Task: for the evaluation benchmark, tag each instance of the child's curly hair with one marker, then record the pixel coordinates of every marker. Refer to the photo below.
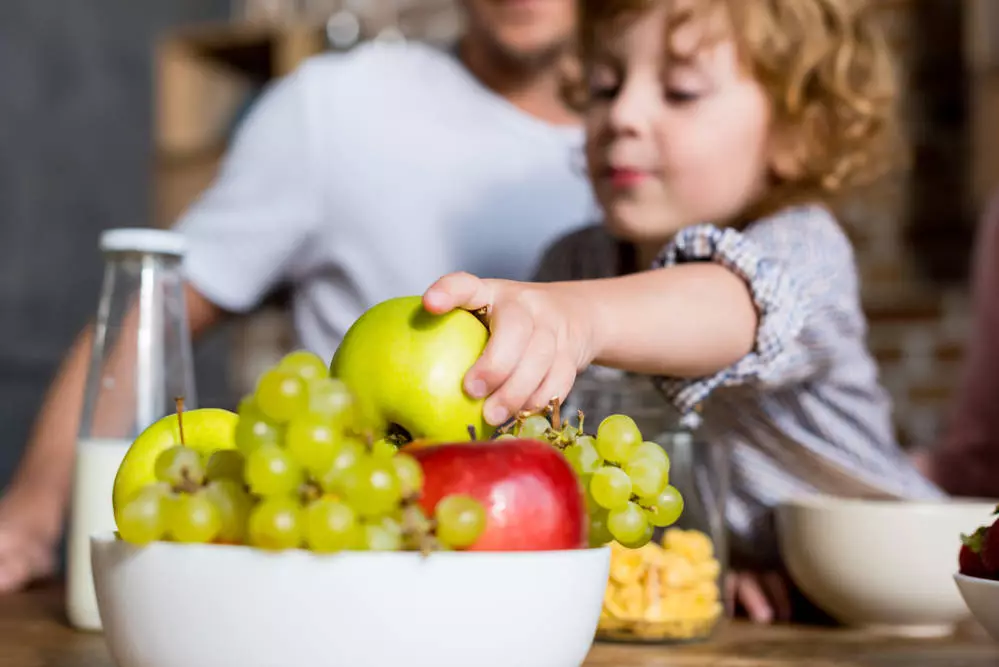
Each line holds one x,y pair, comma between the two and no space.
826,65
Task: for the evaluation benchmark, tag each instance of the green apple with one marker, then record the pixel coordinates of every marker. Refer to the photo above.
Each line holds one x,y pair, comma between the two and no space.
406,367
206,430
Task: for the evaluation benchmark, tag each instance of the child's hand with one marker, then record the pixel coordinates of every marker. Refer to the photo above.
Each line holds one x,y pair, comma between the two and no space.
540,339
764,596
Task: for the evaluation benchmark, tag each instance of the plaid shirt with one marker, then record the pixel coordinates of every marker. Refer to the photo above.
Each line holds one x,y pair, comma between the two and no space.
804,412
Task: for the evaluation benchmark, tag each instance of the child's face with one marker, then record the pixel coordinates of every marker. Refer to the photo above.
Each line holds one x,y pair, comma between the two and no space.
673,141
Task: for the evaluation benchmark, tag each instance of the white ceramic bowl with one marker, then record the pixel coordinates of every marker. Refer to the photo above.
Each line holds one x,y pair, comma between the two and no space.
880,563
982,597
172,605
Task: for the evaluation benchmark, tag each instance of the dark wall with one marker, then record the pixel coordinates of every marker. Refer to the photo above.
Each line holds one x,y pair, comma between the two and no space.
75,153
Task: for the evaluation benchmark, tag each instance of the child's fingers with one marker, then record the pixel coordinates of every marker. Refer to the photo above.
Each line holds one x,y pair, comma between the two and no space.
556,384
457,290
779,596
528,374
754,600
512,327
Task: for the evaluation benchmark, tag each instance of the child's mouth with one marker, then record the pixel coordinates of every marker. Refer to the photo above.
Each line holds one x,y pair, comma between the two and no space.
623,177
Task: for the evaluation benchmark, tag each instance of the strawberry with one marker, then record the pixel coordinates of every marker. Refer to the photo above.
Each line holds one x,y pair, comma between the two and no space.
990,548
970,560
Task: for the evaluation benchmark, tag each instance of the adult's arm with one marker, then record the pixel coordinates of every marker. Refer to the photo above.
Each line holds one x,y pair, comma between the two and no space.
966,460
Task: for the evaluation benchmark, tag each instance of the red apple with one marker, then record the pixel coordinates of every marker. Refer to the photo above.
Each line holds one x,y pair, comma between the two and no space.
531,495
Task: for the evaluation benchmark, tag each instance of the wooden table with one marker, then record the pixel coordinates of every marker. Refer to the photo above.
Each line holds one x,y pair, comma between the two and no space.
33,633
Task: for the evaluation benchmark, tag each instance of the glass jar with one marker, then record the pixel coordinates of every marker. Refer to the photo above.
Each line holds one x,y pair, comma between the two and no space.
671,590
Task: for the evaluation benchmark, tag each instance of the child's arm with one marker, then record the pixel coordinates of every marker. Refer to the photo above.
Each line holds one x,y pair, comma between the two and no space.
726,312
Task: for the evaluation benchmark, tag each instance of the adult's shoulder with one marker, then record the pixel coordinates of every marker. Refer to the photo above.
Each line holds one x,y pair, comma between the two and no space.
583,253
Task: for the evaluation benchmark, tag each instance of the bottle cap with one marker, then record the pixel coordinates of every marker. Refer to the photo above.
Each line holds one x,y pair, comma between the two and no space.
141,239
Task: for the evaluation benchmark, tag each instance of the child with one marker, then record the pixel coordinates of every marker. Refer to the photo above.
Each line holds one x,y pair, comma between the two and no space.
720,135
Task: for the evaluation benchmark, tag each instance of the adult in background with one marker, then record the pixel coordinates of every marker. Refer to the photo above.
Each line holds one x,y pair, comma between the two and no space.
357,178
965,462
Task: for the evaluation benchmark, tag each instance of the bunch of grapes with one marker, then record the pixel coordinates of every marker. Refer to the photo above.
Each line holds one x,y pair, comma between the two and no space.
624,477
304,474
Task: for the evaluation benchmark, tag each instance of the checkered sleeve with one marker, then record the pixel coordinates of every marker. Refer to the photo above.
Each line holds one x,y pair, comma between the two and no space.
798,268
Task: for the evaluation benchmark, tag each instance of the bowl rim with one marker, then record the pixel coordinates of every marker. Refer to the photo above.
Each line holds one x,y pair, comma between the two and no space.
819,501
108,538
977,581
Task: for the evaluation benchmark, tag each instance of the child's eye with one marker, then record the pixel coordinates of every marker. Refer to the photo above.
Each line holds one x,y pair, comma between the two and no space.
603,91
677,96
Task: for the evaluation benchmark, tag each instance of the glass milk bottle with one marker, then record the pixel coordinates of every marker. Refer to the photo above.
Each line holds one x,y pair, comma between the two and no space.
140,363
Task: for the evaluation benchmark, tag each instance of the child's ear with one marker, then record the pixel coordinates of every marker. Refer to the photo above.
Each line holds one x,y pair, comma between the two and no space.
787,155
792,146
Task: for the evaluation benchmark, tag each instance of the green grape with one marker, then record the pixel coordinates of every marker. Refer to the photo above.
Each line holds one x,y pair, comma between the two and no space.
591,505
234,506
409,473
611,488
583,456
254,429
275,524
347,456
383,448
330,526
617,438
271,471
599,534
178,466
304,364
312,442
666,508
651,450
627,524
535,427
332,399
391,524
281,395
143,519
378,536
505,436
641,541
648,476
371,487
461,520
194,518
225,464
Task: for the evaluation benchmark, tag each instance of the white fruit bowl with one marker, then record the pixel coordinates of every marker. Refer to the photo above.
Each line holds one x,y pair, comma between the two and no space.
982,598
887,564
174,605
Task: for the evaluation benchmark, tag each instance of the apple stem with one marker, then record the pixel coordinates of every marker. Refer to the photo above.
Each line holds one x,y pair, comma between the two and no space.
180,418
471,432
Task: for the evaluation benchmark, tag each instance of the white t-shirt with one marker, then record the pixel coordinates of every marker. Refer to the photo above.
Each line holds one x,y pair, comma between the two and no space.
368,175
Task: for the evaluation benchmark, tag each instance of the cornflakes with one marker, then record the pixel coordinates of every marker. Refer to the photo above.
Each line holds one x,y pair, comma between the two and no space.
667,591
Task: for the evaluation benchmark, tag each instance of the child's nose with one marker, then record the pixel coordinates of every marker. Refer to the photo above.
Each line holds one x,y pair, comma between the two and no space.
631,110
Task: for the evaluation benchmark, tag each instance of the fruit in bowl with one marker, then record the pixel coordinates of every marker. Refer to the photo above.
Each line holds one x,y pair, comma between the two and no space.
335,538
978,574
405,367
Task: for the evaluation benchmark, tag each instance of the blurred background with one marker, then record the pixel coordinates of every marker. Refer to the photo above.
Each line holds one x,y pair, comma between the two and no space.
115,113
